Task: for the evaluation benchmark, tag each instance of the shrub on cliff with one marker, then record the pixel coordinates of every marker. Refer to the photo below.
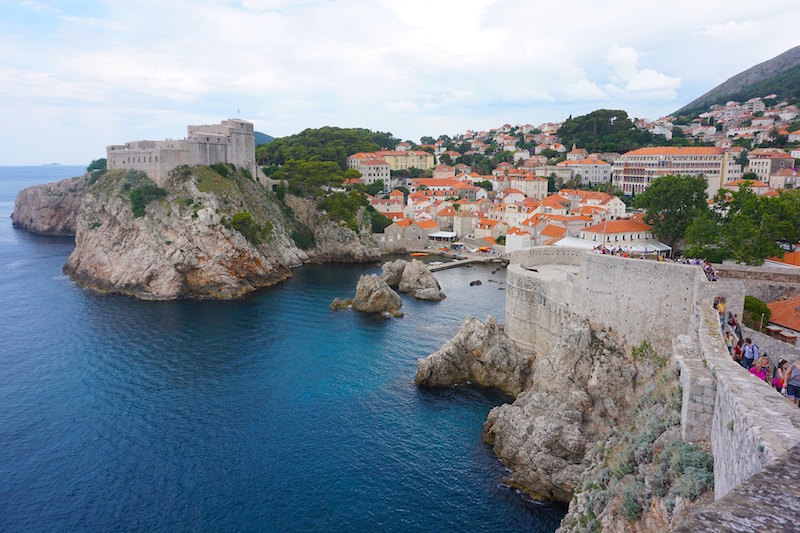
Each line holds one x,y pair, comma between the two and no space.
243,223
143,195
753,308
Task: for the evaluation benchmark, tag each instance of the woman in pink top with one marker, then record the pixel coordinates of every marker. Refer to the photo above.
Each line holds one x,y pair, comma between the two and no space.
758,368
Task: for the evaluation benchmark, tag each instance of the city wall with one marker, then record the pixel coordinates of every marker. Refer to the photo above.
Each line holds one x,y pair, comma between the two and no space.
747,424
636,299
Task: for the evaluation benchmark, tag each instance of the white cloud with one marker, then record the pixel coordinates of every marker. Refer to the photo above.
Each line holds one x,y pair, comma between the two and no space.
628,80
731,30
413,68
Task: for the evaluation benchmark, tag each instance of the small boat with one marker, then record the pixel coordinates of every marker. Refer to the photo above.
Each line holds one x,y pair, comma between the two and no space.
419,254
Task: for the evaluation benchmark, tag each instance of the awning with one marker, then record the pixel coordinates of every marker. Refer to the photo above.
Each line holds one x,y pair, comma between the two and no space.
650,247
574,242
443,235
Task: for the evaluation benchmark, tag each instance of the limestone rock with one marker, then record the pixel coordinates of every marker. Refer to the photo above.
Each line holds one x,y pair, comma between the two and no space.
566,399
178,248
373,295
333,241
339,303
418,281
479,353
392,272
50,209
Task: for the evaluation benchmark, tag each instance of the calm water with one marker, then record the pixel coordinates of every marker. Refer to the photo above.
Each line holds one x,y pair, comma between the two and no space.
270,413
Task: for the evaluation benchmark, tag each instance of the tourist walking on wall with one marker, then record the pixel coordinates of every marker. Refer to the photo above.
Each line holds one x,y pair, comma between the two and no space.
729,341
738,351
792,385
747,354
759,369
778,378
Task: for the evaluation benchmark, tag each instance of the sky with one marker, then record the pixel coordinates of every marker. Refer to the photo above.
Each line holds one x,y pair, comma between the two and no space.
76,76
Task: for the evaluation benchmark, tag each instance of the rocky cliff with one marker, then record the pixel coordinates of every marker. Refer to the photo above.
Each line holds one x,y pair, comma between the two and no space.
643,477
203,235
568,398
50,209
209,233
334,242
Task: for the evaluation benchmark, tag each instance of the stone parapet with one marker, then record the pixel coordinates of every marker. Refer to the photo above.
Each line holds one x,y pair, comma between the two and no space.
698,391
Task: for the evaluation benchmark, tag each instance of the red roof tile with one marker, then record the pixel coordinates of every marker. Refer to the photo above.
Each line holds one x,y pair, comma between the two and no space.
786,313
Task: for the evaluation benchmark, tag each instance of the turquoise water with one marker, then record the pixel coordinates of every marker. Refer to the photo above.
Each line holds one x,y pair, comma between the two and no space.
270,413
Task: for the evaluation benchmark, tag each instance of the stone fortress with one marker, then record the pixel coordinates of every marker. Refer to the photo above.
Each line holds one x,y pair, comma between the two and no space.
231,141
753,432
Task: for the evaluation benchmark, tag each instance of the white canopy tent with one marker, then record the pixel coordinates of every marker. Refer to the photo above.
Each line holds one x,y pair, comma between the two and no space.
574,242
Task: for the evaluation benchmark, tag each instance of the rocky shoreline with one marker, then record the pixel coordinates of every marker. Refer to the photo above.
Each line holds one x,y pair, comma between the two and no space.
204,235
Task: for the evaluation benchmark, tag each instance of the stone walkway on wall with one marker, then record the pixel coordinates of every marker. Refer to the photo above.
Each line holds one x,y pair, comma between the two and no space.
768,501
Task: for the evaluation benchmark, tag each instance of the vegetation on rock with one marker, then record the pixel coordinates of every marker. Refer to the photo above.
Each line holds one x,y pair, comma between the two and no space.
143,195
754,309
243,223
643,467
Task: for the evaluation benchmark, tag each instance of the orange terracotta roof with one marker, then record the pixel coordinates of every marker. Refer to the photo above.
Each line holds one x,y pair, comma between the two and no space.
676,150
447,212
486,223
404,223
551,230
427,224
517,231
396,193
490,240
618,226
786,313
751,183
789,258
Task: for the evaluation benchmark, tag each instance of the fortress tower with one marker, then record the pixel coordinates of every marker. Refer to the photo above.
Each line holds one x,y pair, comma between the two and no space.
231,141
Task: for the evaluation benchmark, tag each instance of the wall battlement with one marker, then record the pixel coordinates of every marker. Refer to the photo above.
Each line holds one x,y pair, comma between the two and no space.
231,141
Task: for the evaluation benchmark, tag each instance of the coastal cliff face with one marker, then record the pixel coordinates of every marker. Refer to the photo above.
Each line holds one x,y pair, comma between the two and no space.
50,209
333,241
187,241
568,398
205,234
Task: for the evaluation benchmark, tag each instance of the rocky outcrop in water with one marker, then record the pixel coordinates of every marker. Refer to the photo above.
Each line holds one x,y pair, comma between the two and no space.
373,295
567,399
50,209
412,278
480,354
392,272
188,241
185,240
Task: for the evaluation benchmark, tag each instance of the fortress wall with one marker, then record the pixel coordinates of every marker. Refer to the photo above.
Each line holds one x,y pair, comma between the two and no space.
536,310
635,299
638,300
231,141
542,255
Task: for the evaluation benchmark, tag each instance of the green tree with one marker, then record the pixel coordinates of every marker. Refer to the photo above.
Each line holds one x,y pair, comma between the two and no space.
97,164
485,184
671,203
445,159
374,188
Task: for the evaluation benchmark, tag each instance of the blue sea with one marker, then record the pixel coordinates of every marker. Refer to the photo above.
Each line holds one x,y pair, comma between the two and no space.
269,413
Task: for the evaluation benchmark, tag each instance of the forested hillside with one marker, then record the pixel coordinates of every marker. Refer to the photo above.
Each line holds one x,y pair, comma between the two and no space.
323,144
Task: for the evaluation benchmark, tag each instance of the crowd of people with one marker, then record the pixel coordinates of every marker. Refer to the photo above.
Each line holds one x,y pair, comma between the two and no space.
785,378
